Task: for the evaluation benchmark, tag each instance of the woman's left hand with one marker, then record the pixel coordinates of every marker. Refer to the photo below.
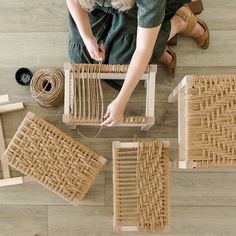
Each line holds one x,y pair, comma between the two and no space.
114,114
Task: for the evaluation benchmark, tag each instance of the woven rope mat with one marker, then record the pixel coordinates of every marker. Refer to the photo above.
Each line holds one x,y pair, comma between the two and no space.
210,113
141,198
53,159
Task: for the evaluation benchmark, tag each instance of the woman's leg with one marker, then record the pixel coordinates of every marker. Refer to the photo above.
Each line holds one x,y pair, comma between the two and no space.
178,25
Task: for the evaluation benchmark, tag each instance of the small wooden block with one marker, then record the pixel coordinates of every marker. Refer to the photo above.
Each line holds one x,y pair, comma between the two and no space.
11,181
187,164
5,167
11,107
4,98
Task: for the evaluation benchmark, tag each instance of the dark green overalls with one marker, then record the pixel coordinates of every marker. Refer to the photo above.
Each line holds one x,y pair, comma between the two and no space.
117,30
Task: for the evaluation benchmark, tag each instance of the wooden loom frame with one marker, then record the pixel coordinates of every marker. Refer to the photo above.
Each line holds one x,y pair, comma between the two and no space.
178,94
131,146
7,179
150,81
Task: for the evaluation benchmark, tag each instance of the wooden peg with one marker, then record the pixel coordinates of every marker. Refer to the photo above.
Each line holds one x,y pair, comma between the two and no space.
11,107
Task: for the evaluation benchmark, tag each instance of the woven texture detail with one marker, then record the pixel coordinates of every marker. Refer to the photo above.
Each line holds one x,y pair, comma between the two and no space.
48,156
87,93
152,187
210,113
141,187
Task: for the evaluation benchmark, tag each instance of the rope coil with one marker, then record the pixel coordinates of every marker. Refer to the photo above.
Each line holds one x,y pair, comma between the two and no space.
47,87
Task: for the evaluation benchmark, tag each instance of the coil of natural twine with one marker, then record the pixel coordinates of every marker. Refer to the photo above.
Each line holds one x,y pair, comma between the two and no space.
47,87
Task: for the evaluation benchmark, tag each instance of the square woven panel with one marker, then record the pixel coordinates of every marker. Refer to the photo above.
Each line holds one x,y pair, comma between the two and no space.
210,114
53,159
141,186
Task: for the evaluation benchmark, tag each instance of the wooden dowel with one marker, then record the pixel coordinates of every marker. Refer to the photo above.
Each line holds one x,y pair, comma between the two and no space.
11,107
5,167
11,181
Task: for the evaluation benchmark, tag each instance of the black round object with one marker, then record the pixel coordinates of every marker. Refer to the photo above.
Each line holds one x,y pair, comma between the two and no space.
23,76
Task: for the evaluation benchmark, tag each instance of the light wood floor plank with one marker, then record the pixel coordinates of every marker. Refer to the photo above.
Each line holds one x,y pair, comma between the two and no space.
50,49
34,194
33,49
23,221
194,189
33,16
96,221
219,53
219,14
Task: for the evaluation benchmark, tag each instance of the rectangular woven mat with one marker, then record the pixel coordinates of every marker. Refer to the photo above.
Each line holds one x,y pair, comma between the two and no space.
53,159
210,115
141,186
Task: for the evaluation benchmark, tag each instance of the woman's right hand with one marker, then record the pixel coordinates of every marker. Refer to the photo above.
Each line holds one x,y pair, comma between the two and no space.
96,52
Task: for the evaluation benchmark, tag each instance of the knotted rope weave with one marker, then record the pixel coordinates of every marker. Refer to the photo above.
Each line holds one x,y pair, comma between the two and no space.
47,87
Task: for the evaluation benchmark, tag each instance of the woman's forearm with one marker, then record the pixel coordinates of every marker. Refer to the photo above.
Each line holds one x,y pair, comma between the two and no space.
146,39
137,67
81,19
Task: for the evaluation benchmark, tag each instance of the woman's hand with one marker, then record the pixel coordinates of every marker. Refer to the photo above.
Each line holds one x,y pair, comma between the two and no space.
96,52
114,114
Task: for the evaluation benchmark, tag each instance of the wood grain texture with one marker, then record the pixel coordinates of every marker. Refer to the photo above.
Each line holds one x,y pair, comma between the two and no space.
219,52
23,220
47,49
33,16
219,15
187,221
34,194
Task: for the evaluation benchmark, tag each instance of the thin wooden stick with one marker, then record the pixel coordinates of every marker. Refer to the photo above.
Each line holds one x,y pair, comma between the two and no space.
89,99
83,94
79,91
5,167
11,181
101,93
11,107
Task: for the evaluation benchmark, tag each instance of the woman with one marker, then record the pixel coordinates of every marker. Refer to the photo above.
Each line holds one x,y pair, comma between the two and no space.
132,32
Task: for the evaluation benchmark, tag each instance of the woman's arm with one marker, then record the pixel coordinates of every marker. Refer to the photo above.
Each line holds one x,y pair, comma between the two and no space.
80,16
146,38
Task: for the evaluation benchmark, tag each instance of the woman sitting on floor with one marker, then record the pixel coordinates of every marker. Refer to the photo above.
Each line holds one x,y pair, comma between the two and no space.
132,32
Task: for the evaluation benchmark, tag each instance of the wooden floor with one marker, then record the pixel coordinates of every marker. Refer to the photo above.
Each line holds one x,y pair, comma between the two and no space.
34,34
